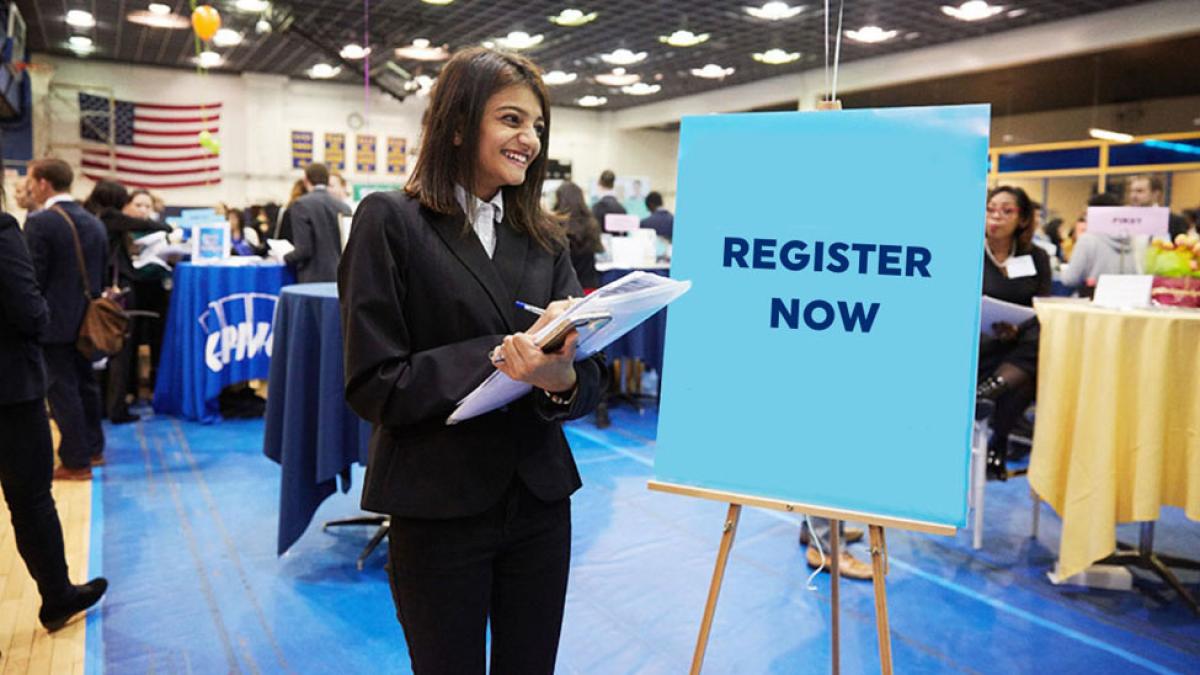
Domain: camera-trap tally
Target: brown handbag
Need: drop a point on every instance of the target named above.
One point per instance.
(105, 322)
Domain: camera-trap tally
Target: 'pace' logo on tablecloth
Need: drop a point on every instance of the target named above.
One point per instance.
(238, 327)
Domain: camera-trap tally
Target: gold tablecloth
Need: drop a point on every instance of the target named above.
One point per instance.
(1118, 421)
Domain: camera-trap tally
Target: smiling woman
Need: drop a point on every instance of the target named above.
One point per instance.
(480, 510)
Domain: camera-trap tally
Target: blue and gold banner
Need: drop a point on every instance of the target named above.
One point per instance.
(364, 153)
(302, 149)
(335, 152)
(397, 159)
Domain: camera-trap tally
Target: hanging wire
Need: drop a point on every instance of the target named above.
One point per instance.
(826, 45)
(837, 54)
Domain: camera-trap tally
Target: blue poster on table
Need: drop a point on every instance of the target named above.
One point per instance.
(830, 338)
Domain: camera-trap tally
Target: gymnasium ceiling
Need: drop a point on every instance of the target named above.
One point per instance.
(306, 32)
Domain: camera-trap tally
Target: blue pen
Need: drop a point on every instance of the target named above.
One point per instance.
(530, 308)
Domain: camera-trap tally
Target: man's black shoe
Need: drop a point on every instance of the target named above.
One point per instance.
(55, 616)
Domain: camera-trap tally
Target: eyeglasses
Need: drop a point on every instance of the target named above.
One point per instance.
(1006, 211)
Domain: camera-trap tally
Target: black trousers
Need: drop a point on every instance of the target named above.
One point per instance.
(75, 403)
(507, 566)
(26, 467)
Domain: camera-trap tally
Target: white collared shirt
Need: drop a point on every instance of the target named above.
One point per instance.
(482, 215)
(58, 198)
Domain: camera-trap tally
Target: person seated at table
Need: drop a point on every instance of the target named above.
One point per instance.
(1016, 271)
(660, 219)
(1095, 253)
(480, 510)
(244, 239)
(583, 233)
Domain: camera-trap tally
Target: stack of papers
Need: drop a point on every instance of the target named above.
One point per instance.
(630, 300)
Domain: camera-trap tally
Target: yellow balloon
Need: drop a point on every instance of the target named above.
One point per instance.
(205, 21)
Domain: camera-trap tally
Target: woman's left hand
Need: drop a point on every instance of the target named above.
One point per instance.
(522, 360)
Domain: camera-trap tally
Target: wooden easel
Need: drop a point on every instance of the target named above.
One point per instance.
(878, 559)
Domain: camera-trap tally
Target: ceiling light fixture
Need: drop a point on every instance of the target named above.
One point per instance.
(1016, 13)
(262, 27)
(642, 89)
(227, 37)
(252, 6)
(712, 72)
(80, 42)
(590, 101)
(556, 77)
(973, 10)
(323, 71)
(422, 50)
(623, 57)
(80, 19)
(159, 9)
(420, 85)
(776, 57)
(774, 11)
(209, 59)
(153, 19)
(440, 3)
(1106, 135)
(618, 78)
(683, 38)
(519, 39)
(871, 34)
(572, 18)
(354, 52)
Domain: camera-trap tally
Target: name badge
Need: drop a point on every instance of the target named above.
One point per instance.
(1020, 266)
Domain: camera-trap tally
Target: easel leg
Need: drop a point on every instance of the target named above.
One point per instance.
(835, 551)
(879, 566)
(714, 590)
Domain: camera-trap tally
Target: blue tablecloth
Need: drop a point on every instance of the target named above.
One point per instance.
(646, 341)
(218, 333)
(310, 431)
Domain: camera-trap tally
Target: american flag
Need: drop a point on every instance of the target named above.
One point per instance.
(157, 145)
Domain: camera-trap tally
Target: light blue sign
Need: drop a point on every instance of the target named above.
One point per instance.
(826, 353)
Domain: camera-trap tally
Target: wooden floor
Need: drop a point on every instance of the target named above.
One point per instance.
(26, 647)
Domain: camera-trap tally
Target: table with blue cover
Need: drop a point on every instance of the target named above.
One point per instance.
(310, 430)
(218, 333)
(646, 341)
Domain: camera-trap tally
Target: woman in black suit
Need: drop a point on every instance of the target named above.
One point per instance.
(1014, 270)
(480, 528)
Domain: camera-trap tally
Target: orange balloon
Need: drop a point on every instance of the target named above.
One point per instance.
(206, 21)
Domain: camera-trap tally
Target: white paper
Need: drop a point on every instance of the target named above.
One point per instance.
(1121, 291)
(994, 311)
(278, 248)
(1020, 266)
(621, 222)
(630, 300)
(1124, 221)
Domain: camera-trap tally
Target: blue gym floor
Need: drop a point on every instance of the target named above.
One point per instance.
(184, 524)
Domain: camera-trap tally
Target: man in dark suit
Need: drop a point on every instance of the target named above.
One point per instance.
(74, 394)
(608, 202)
(660, 220)
(27, 460)
(316, 230)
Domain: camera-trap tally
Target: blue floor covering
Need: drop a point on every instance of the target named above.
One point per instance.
(185, 518)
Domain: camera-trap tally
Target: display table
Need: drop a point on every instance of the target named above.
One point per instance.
(217, 333)
(310, 431)
(646, 341)
(1118, 422)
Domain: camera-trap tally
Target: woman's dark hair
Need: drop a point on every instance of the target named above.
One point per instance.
(457, 104)
(1024, 233)
(582, 230)
(232, 215)
(108, 194)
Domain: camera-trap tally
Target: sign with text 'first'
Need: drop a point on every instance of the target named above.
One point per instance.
(827, 352)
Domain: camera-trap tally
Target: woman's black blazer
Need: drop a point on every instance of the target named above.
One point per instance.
(421, 306)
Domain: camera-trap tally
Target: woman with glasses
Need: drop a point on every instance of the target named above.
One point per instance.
(480, 510)
(1016, 271)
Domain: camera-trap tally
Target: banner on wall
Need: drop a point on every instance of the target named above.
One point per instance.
(364, 153)
(302, 149)
(397, 159)
(822, 306)
(335, 151)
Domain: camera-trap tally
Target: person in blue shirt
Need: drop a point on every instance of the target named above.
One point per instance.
(660, 220)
